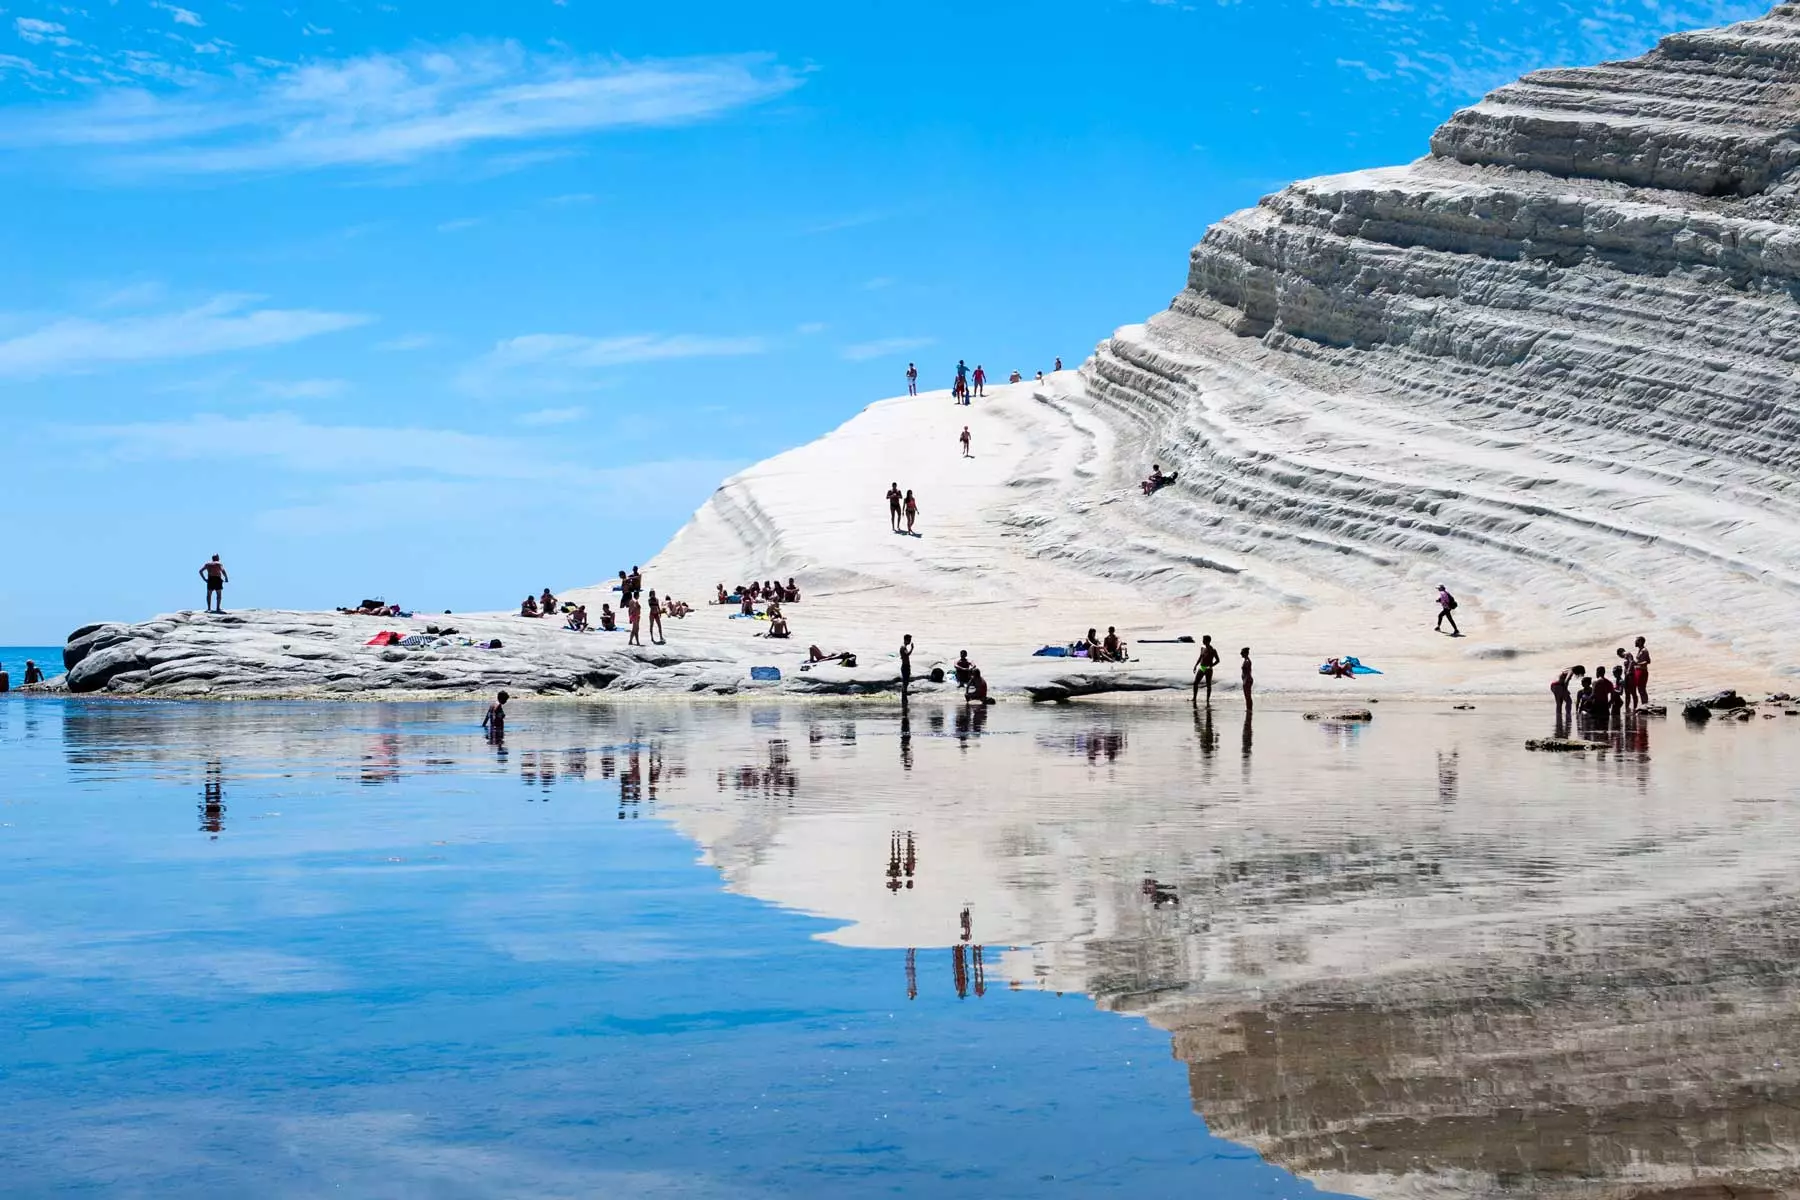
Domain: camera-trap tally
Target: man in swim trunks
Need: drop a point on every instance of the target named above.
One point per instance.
(893, 499)
(980, 378)
(906, 650)
(1204, 666)
(964, 439)
(912, 379)
(216, 579)
(33, 674)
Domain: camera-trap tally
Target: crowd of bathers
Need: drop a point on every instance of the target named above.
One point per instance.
(771, 594)
(634, 605)
(967, 384)
(1607, 695)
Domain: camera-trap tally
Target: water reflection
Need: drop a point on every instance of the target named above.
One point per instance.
(1401, 957)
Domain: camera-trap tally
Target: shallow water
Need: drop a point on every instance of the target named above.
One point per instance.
(808, 950)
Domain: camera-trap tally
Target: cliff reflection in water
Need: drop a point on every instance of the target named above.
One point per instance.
(1404, 958)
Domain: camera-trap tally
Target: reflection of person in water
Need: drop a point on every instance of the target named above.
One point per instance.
(631, 784)
(967, 925)
(906, 755)
(912, 973)
(912, 859)
(980, 971)
(893, 867)
(212, 799)
(959, 970)
(1447, 777)
(1247, 733)
(1204, 731)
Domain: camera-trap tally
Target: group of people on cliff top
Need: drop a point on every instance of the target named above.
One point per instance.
(1604, 697)
(968, 384)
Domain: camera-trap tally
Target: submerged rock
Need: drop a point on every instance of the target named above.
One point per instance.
(1564, 744)
(1345, 714)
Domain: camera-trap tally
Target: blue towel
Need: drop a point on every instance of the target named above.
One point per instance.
(1051, 652)
(766, 673)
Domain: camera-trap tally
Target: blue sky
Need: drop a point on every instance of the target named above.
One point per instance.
(446, 302)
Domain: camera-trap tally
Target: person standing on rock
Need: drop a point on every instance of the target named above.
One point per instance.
(912, 379)
(1249, 674)
(656, 612)
(636, 611)
(1204, 667)
(1446, 610)
(964, 439)
(1641, 676)
(495, 720)
(893, 499)
(980, 378)
(1058, 365)
(216, 579)
(906, 651)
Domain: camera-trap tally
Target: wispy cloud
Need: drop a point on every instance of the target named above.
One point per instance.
(564, 362)
(553, 416)
(71, 345)
(181, 16)
(881, 347)
(410, 341)
(39, 33)
(303, 389)
(386, 109)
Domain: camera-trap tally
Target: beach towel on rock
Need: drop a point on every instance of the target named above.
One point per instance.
(1051, 652)
(386, 637)
(770, 674)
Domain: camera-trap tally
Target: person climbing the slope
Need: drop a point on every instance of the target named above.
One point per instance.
(1446, 609)
(912, 379)
(893, 499)
(980, 378)
(1204, 667)
(912, 511)
(964, 439)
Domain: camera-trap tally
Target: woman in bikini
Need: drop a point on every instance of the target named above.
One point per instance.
(656, 615)
(912, 510)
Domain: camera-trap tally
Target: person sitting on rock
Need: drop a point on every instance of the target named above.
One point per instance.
(578, 620)
(793, 591)
(528, 607)
(723, 598)
(747, 606)
(963, 669)
(1092, 644)
(547, 604)
(1111, 647)
(608, 620)
(778, 626)
(1156, 481)
(33, 674)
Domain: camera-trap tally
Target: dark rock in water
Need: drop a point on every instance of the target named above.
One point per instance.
(1564, 744)
(1725, 700)
(1347, 714)
(1780, 696)
(1738, 714)
(1463, 707)
(1696, 711)
(1653, 710)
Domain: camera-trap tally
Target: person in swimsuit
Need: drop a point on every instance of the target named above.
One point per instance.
(912, 379)
(528, 607)
(547, 603)
(1111, 646)
(609, 621)
(980, 378)
(906, 651)
(1642, 661)
(1204, 666)
(656, 616)
(893, 499)
(964, 439)
(1559, 694)
(1249, 675)
(977, 690)
(578, 620)
(1058, 365)
(5, 681)
(216, 579)
(911, 507)
(495, 720)
(32, 673)
(1600, 696)
(635, 611)
(1092, 642)
(962, 668)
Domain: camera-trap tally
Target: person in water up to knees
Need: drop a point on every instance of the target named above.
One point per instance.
(216, 579)
(1204, 666)
(1446, 610)
(1249, 675)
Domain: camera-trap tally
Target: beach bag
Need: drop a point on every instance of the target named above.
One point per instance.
(848, 660)
(1449, 602)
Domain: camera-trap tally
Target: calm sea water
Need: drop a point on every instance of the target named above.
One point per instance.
(728, 950)
(13, 658)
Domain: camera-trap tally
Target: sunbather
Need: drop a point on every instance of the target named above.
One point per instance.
(1092, 644)
(747, 607)
(963, 668)
(778, 626)
(1112, 647)
(608, 620)
(793, 591)
(547, 604)
(578, 620)
(528, 608)
(723, 598)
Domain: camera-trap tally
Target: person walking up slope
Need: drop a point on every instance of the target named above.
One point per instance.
(964, 439)
(1446, 607)
(912, 379)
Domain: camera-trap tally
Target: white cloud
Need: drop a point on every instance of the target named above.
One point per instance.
(554, 416)
(882, 347)
(385, 109)
(181, 16)
(410, 341)
(304, 389)
(458, 224)
(566, 362)
(225, 323)
(39, 33)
